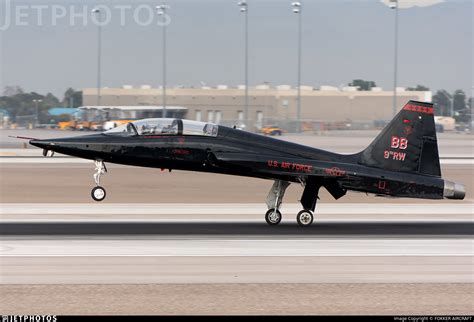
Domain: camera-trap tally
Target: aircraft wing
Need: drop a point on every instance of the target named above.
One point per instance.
(322, 173)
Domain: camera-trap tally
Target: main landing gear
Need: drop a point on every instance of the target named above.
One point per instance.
(98, 193)
(305, 217)
(274, 199)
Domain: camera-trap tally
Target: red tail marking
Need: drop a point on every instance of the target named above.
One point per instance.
(418, 108)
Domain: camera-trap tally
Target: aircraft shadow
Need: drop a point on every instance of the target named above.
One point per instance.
(242, 229)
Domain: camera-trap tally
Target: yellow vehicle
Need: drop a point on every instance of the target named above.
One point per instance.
(80, 125)
(271, 130)
(67, 125)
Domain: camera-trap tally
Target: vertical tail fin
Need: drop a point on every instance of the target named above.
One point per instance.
(407, 144)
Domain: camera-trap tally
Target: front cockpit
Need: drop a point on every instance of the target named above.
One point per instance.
(162, 126)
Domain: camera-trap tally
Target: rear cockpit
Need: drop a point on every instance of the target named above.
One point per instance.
(162, 126)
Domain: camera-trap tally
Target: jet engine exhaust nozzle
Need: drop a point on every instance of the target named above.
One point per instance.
(454, 190)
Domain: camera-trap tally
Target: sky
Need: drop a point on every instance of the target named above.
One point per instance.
(342, 40)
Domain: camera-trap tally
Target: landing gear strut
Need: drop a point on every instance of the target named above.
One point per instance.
(98, 193)
(274, 199)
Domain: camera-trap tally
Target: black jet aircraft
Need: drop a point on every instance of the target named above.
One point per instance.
(402, 161)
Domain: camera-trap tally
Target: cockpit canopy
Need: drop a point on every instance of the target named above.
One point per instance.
(164, 126)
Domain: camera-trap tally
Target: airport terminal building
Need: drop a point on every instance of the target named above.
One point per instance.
(323, 107)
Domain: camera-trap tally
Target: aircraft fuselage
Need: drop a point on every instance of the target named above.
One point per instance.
(235, 152)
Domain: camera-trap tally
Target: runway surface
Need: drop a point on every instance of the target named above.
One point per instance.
(221, 247)
(235, 299)
(237, 268)
(78, 270)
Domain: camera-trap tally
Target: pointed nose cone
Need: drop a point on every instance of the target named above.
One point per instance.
(48, 146)
(77, 146)
(39, 143)
(43, 144)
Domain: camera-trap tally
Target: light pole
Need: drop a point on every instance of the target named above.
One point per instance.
(394, 5)
(99, 55)
(265, 103)
(451, 99)
(244, 10)
(37, 111)
(472, 109)
(297, 10)
(162, 9)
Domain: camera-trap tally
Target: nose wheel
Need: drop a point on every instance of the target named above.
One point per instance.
(274, 199)
(305, 218)
(98, 193)
(273, 217)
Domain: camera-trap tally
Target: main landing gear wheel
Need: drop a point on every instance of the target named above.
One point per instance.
(304, 218)
(273, 217)
(98, 193)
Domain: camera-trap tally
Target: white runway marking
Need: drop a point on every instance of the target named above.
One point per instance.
(135, 210)
(236, 248)
(457, 161)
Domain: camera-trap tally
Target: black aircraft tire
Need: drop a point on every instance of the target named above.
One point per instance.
(273, 221)
(304, 218)
(98, 193)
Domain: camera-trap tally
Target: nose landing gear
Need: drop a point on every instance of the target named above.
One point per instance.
(98, 193)
(273, 216)
(274, 200)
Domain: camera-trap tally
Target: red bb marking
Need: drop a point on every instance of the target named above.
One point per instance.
(399, 143)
